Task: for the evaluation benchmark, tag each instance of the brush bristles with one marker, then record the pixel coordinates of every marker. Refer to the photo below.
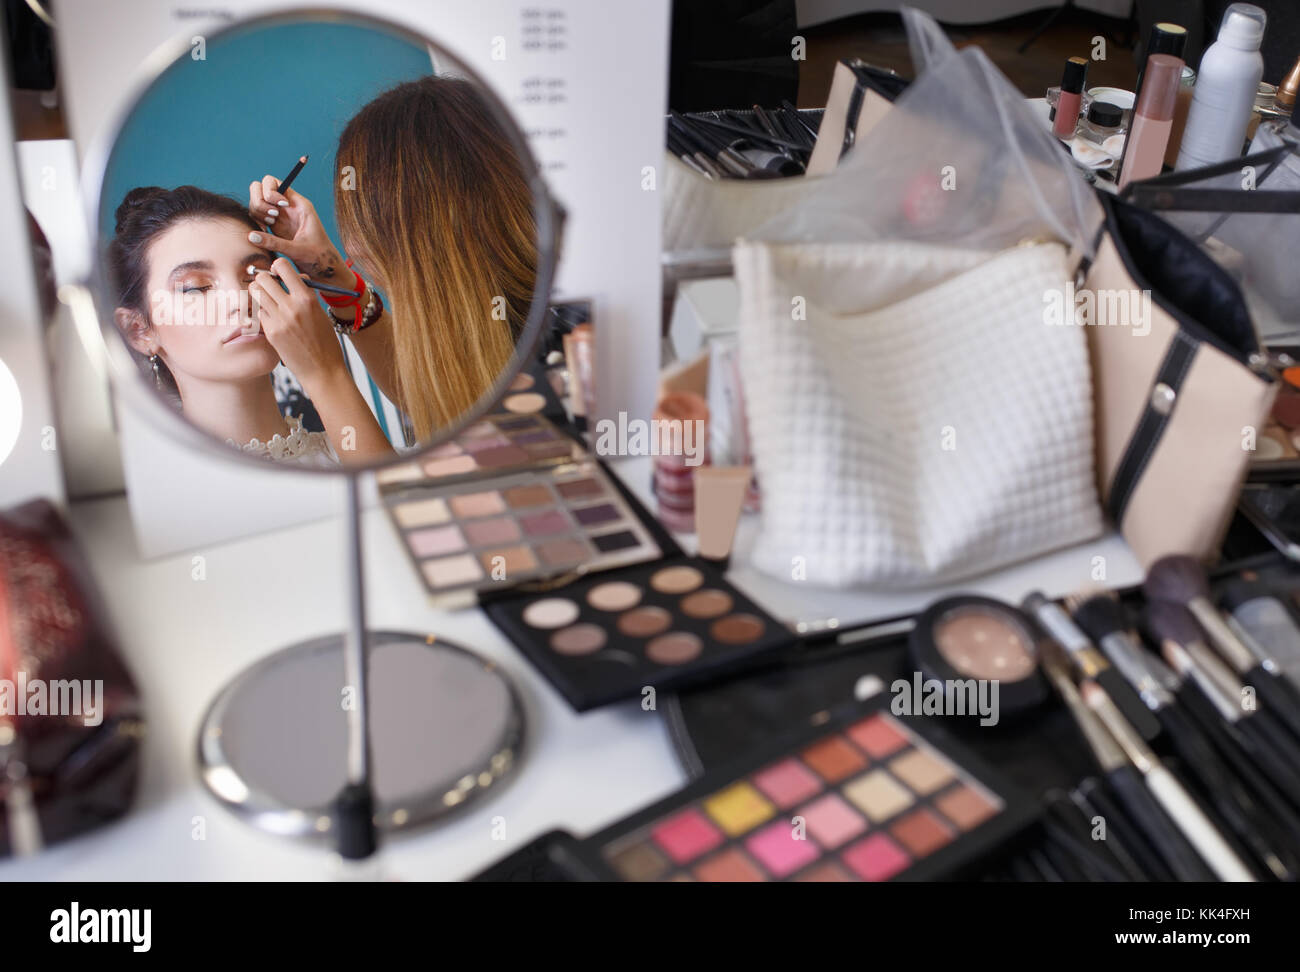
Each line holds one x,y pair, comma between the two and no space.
1178,579
1100,616
1166,621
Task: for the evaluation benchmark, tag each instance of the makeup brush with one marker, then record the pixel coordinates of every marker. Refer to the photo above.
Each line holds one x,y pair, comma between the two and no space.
1091,663
1181,580
1180,807
323,288
1242,754
1261,618
1124,838
797,120
1066,826
1104,620
1123,776
1247,824
1266,743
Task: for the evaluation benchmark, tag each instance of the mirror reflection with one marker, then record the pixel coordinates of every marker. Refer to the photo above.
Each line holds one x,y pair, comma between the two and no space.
319,266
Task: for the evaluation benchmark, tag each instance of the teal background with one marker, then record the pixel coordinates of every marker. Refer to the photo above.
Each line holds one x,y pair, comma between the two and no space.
260,100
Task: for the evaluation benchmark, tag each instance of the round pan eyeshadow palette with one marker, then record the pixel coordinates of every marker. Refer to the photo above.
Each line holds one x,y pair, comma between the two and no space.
664,624
866,797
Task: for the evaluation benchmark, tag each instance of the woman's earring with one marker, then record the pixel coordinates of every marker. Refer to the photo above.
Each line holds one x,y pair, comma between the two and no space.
157,378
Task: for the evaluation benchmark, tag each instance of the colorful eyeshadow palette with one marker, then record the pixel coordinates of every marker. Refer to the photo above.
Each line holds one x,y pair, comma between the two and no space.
873,798
474,517
667,624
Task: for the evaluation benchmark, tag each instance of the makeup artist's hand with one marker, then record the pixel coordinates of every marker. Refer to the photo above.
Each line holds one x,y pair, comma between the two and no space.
297,326
298,232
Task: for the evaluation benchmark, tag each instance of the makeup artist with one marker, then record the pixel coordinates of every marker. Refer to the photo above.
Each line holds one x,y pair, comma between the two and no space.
436,211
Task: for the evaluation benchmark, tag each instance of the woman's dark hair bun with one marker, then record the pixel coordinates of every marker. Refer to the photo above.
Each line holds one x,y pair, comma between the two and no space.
133,201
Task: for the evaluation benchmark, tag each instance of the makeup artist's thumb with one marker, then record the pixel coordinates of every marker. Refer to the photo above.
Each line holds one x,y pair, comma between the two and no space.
274,244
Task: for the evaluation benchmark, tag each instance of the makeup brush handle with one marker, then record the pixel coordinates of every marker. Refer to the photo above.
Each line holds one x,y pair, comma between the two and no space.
1225,792
1129,703
1125,840
1209,843
1169,842
1275,818
1275,760
1276,698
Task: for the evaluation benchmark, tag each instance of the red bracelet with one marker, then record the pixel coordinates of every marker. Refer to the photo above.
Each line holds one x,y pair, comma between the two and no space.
339,300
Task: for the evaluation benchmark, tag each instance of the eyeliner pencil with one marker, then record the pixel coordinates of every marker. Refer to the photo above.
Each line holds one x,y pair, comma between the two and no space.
287,181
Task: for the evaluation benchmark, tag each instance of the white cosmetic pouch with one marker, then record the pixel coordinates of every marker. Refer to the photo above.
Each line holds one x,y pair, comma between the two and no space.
915,416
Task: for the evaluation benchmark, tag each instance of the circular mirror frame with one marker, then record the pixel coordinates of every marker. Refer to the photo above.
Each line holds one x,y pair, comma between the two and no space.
105,340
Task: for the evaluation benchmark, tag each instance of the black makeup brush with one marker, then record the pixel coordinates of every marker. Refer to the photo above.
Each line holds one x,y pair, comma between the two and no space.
1183,647
1181,580
1067,829
1124,777
323,288
1091,663
1103,618
1275,819
1123,837
796,119
1199,832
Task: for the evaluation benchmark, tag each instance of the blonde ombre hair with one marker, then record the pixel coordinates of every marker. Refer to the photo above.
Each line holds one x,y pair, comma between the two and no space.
442,214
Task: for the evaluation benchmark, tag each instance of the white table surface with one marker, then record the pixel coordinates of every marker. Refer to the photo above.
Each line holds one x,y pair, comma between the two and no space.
184,638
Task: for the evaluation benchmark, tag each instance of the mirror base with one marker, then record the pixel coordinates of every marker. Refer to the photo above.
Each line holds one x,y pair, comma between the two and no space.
446,728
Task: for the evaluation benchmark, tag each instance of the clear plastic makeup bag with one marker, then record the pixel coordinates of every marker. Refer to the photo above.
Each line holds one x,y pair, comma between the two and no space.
919,408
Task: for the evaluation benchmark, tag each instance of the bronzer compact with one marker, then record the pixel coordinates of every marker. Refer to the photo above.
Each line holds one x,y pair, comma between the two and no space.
665,624
965,638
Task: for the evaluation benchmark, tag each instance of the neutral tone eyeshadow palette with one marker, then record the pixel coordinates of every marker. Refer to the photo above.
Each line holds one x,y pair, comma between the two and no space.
511,500
665,624
872,798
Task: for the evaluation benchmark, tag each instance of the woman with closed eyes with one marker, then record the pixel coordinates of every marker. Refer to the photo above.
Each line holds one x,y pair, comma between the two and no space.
212,316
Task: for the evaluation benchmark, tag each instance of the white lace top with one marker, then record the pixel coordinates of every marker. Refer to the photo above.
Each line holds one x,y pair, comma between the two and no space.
308,448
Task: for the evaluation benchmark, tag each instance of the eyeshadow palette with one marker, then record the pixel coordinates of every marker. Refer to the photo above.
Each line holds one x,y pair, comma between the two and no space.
498,444
667,624
511,500
869,797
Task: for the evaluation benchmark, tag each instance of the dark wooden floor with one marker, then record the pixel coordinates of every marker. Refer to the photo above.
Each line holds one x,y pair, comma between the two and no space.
879,39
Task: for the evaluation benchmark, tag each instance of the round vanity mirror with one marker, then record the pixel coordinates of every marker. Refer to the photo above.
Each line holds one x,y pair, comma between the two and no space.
323,244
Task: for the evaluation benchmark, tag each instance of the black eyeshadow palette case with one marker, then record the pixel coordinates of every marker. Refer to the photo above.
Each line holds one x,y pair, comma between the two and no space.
877,797
666,624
